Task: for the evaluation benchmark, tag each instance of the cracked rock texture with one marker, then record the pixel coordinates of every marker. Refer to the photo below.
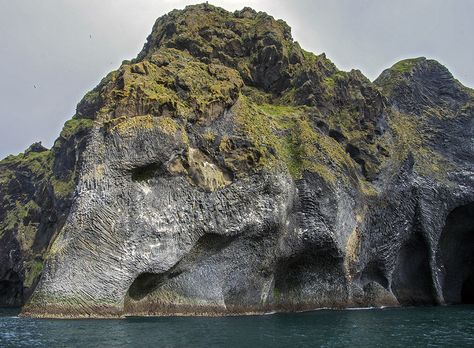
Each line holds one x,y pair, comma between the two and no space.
226,170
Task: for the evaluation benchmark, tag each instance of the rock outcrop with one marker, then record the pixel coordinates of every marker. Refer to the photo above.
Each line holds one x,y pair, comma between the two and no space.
225,170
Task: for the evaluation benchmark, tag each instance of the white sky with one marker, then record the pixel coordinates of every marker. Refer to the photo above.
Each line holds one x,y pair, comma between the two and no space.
47,43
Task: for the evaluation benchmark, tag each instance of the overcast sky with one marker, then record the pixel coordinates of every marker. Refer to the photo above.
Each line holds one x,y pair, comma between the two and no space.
65,47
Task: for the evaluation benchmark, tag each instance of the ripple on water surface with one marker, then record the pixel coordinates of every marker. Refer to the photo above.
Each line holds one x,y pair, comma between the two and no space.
407,327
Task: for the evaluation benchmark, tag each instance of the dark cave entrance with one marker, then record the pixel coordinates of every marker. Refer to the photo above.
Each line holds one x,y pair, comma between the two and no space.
412,279
456,254
313,278
11,290
144,284
467,292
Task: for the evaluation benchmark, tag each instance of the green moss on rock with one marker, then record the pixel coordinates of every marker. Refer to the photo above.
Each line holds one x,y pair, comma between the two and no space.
412,139
285,135
75,125
33,270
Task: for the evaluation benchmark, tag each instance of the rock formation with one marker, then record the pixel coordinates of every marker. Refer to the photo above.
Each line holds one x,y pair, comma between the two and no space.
226,170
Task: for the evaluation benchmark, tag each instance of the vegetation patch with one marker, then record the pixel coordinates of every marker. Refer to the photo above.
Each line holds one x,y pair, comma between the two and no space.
126,125
75,125
168,125
411,138
286,133
406,65
33,270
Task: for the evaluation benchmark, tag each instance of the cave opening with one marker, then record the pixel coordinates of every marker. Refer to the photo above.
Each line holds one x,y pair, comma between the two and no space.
147,172
467,292
374,272
11,290
144,284
456,256
310,279
412,281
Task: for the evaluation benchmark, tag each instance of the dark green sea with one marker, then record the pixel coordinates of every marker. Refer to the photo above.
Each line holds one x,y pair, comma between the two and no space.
408,327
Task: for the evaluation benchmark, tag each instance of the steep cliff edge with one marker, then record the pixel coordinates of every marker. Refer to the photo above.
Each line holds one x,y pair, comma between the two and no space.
225,170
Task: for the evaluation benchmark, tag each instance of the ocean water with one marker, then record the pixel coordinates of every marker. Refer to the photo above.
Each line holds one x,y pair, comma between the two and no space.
403,327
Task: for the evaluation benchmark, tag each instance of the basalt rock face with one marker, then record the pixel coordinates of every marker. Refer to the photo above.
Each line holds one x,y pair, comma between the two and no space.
36,190
226,170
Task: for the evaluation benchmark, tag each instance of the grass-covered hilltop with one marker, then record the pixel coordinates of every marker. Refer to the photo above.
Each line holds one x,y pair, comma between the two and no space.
226,170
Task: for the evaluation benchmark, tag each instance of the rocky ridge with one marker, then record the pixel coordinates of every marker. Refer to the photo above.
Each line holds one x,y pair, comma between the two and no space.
225,170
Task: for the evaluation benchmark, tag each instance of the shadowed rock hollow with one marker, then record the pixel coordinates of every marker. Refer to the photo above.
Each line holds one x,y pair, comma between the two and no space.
225,170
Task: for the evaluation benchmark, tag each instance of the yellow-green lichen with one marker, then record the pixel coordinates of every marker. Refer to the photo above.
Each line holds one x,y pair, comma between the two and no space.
63,188
411,138
75,125
127,125
285,135
170,83
168,125
405,65
200,170
209,136
33,270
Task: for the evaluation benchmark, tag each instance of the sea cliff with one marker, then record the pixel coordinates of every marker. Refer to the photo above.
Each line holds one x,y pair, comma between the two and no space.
226,170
